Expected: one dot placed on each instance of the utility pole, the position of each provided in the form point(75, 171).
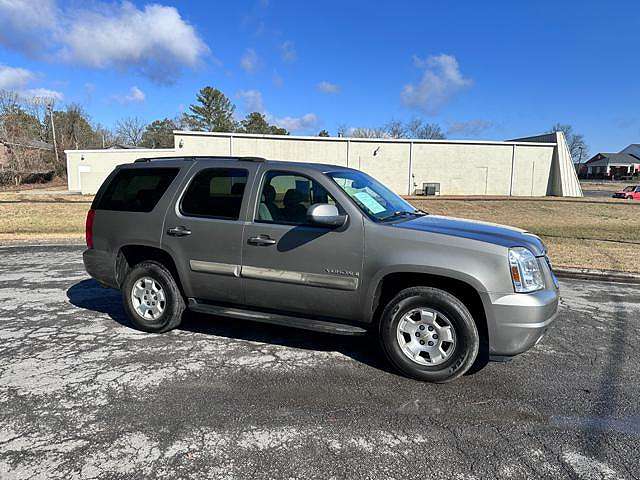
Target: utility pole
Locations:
point(53, 130)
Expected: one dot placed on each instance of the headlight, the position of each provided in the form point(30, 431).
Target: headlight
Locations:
point(525, 270)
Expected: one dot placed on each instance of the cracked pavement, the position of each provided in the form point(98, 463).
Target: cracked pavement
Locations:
point(85, 396)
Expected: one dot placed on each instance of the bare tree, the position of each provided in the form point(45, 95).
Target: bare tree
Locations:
point(575, 141)
point(368, 133)
point(396, 129)
point(130, 130)
point(419, 129)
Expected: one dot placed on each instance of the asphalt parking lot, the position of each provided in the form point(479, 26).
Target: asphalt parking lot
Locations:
point(83, 395)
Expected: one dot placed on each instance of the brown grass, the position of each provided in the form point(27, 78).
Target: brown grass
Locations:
point(578, 233)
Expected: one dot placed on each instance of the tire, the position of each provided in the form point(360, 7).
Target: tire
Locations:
point(165, 302)
point(435, 310)
point(629, 198)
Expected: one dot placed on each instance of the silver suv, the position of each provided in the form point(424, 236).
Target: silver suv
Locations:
point(317, 247)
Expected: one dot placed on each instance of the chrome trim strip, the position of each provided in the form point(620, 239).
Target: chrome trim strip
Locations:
point(215, 268)
point(302, 278)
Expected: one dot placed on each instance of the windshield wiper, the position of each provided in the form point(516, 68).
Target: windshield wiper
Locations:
point(403, 213)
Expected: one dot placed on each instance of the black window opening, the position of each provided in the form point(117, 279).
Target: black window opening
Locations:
point(286, 196)
point(137, 189)
point(215, 193)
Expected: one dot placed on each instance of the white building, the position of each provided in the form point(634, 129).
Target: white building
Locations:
point(532, 166)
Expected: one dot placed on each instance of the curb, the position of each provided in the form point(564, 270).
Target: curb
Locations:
point(597, 275)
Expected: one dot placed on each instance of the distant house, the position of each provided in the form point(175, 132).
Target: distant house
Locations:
point(633, 149)
point(612, 165)
point(7, 148)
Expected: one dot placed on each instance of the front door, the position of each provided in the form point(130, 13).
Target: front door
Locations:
point(203, 232)
point(292, 266)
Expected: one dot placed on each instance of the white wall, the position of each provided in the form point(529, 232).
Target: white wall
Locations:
point(523, 168)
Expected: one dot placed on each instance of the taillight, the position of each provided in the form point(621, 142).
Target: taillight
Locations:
point(88, 231)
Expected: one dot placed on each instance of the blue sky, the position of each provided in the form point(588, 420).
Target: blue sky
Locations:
point(490, 70)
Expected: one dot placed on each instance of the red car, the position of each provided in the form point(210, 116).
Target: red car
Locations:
point(632, 192)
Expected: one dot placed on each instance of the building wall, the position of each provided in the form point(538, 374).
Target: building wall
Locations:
point(523, 168)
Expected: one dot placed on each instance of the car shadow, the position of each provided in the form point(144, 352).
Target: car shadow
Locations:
point(90, 295)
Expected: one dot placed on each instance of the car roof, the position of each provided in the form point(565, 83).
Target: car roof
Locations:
point(322, 167)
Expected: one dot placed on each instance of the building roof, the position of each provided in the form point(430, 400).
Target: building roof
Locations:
point(37, 144)
point(615, 158)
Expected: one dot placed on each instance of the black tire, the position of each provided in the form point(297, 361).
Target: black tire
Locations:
point(174, 305)
point(467, 338)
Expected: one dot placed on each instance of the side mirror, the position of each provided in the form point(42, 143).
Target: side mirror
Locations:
point(325, 214)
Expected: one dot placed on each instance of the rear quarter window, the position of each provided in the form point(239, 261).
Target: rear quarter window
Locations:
point(136, 189)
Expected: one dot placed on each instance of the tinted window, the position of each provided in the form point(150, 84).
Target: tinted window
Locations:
point(216, 193)
point(285, 198)
point(137, 189)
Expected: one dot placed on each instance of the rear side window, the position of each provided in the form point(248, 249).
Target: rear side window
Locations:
point(215, 193)
point(137, 189)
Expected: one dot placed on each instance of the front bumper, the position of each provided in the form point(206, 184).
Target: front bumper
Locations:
point(517, 321)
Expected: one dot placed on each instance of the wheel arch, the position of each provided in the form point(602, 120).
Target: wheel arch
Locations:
point(392, 283)
point(130, 255)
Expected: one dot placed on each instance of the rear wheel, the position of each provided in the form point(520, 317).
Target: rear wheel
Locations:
point(151, 298)
point(428, 334)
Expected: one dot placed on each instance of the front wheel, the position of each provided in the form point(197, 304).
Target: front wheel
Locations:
point(428, 334)
point(151, 298)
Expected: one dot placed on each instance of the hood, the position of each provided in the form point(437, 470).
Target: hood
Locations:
point(474, 230)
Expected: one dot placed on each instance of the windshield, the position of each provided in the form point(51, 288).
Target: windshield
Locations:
point(628, 189)
point(373, 198)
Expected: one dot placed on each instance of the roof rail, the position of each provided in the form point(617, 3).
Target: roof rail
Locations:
point(196, 157)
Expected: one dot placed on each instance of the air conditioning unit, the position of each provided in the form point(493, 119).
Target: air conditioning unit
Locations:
point(430, 189)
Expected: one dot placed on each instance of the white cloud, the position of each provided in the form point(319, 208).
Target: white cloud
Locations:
point(17, 79)
point(288, 51)
point(249, 60)
point(440, 81)
point(135, 95)
point(252, 100)
point(23, 21)
point(471, 128)
point(328, 87)
point(14, 78)
point(42, 94)
point(293, 124)
point(154, 41)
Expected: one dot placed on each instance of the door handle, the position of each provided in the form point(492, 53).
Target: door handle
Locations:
point(178, 231)
point(261, 240)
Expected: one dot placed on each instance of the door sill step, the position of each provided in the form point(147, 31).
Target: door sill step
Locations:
point(276, 319)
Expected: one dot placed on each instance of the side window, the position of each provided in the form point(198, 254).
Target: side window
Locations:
point(215, 193)
point(286, 196)
point(136, 189)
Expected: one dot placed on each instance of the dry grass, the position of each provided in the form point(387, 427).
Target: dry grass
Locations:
point(578, 233)
point(41, 219)
point(608, 186)
point(575, 232)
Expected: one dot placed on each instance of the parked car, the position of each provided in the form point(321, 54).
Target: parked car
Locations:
point(632, 192)
point(317, 247)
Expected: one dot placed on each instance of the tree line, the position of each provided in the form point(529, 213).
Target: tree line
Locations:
point(25, 121)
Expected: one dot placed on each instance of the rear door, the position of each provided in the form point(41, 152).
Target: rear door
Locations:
point(203, 229)
point(292, 266)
